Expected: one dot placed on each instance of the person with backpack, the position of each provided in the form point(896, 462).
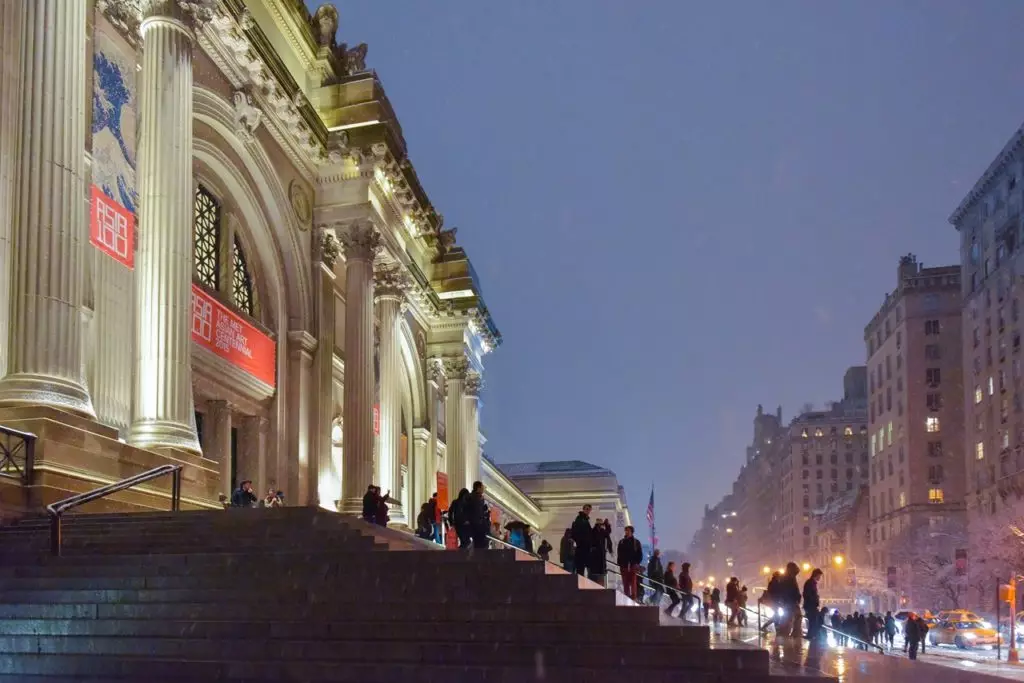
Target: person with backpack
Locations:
point(629, 555)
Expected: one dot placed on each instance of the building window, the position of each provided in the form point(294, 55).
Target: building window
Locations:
point(241, 281)
point(934, 401)
point(818, 432)
point(931, 424)
point(206, 238)
point(978, 395)
point(935, 449)
point(991, 385)
point(931, 326)
point(934, 495)
point(979, 450)
point(932, 352)
point(848, 431)
point(935, 474)
point(933, 377)
point(803, 433)
point(903, 499)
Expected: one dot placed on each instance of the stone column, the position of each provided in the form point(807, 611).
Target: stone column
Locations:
point(113, 316)
point(217, 442)
point(454, 419)
point(323, 477)
point(162, 406)
point(48, 225)
point(360, 242)
point(424, 481)
point(388, 295)
point(10, 124)
point(471, 435)
point(435, 388)
point(301, 419)
point(252, 452)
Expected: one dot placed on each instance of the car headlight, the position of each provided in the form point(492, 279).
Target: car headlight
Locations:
point(986, 624)
point(769, 612)
point(970, 636)
point(781, 613)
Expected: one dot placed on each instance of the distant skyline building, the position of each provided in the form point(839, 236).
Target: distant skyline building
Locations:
point(827, 458)
point(915, 412)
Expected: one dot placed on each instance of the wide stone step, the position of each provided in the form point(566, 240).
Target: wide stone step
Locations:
point(93, 668)
point(426, 651)
point(256, 610)
point(551, 592)
point(535, 632)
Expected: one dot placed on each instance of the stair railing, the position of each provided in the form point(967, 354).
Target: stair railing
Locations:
point(56, 510)
point(17, 454)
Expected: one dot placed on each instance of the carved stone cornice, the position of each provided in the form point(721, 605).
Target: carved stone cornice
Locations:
point(435, 372)
point(359, 239)
point(390, 282)
point(455, 367)
point(247, 116)
point(125, 16)
point(190, 13)
point(329, 248)
point(474, 382)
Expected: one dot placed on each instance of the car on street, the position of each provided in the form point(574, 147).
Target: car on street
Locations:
point(963, 634)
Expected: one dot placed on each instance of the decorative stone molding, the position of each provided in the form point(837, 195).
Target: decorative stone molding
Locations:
point(300, 204)
point(247, 116)
point(390, 282)
point(125, 16)
point(456, 367)
point(189, 12)
point(329, 248)
point(474, 382)
point(435, 371)
point(359, 239)
point(324, 24)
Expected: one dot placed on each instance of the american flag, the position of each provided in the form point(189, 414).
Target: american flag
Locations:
point(650, 519)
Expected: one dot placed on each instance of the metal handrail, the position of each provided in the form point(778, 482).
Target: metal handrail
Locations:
point(836, 632)
point(10, 455)
point(664, 588)
point(56, 510)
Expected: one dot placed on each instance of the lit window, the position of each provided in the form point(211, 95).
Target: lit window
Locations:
point(241, 281)
point(991, 386)
point(818, 432)
point(935, 496)
point(804, 433)
point(206, 238)
point(978, 394)
point(848, 431)
point(1006, 439)
point(888, 434)
point(979, 450)
point(903, 499)
point(931, 424)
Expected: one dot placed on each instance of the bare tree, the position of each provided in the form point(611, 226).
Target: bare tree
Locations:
point(996, 549)
point(928, 553)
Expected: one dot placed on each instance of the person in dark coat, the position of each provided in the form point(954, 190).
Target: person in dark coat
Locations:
point(544, 551)
point(912, 634)
point(583, 537)
point(370, 504)
point(770, 598)
point(244, 496)
point(670, 586)
point(629, 555)
point(812, 605)
point(458, 517)
point(732, 600)
point(479, 517)
point(788, 599)
point(567, 551)
point(599, 550)
point(686, 589)
point(656, 573)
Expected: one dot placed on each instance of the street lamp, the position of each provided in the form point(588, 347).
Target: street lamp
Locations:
point(807, 566)
point(766, 570)
point(838, 560)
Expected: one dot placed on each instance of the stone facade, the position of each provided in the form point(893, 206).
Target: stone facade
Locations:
point(915, 414)
point(259, 288)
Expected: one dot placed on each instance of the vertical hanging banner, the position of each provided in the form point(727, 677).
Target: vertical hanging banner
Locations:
point(442, 491)
point(229, 336)
point(376, 419)
point(112, 143)
point(112, 228)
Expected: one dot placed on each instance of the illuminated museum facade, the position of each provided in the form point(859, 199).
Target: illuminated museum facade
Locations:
point(220, 255)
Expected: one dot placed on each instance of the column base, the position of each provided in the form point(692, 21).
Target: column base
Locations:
point(352, 506)
point(23, 389)
point(162, 434)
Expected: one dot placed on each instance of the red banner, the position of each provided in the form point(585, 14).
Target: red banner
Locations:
point(442, 491)
point(112, 228)
point(376, 419)
point(232, 338)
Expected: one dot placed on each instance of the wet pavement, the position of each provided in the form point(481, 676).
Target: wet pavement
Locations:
point(796, 657)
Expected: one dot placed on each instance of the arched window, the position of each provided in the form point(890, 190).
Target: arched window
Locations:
point(210, 242)
point(241, 281)
point(206, 239)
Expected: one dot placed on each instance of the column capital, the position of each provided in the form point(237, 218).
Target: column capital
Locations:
point(435, 370)
point(300, 341)
point(474, 382)
point(360, 240)
point(330, 247)
point(455, 367)
point(390, 283)
point(187, 13)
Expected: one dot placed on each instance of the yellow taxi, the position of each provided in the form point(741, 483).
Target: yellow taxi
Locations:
point(962, 633)
point(957, 615)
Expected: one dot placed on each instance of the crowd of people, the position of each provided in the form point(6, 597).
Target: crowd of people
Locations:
point(245, 497)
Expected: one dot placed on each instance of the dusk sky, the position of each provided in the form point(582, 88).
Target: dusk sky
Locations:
point(679, 210)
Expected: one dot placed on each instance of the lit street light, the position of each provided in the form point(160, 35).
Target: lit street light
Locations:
point(766, 570)
point(807, 566)
point(838, 560)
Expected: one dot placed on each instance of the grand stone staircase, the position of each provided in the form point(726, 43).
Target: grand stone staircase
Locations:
point(299, 594)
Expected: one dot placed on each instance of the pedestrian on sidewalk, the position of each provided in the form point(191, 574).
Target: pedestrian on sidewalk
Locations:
point(732, 600)
point(742, 602)
point(566, 552)
point(912, 634)
point(671, 585)
point(812, 605)
point(656, 573)
point(583, 538)
point(890, 630)
point(629, 555)
point(686, 588)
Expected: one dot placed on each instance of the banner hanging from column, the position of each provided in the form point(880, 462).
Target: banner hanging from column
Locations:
point(226, 334)
point(442, 491)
